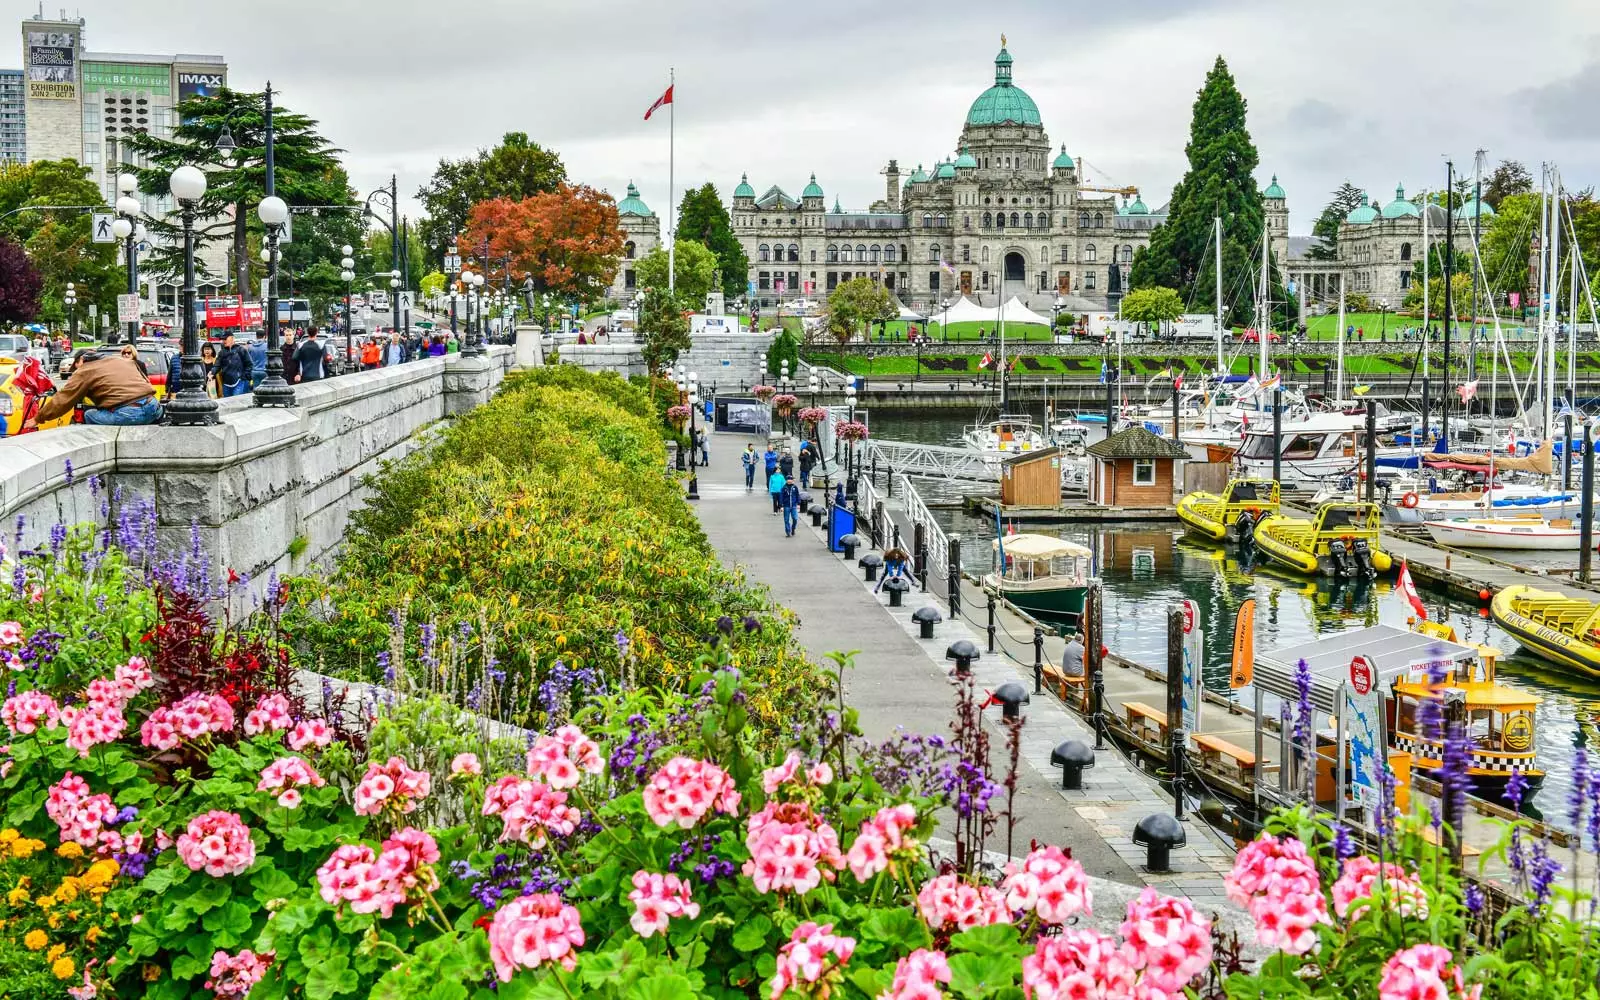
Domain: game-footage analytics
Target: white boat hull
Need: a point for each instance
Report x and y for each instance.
(1535, 537)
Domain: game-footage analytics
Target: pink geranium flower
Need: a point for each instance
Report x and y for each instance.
(918, 975)
(235, 975)
(285, 776)
(29, 711)
(946, 903)
(392, 785)
(270, 715)
(813, 954)
(657, 899)
(531, 810)
(686, 789)
(217, 843)
(562, 758)
(881, 840)
(1424, 972)
(1048, 883)
(791, 848)
(532, 930)
(81, 816)
(1166, 938)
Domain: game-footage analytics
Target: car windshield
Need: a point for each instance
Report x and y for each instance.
(155, 360)
(13, 342)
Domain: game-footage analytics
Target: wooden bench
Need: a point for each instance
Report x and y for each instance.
(1149, 724)
(1071, 690)
(1432, 837)
(1226, 757)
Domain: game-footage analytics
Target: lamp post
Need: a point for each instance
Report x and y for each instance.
(191, 406)
(466, 305)
(70, 300)
(850, 457)
(123, 228)
(474, 344)
(1383, 319)
(274, 390)
(694, 404)
(347, 274)
(783, 387)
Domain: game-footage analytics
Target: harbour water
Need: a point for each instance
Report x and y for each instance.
(1147, 568)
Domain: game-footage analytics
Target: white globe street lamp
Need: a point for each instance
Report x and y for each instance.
(191, 405)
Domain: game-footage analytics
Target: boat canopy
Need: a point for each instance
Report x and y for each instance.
(1392, 651)
(1490, 696)
(1538, 462)
(1026, 546)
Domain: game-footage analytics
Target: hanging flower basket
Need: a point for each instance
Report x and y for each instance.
(677, 414)
(852, 430)
(813, 415)
(784, 403)
(764, 392)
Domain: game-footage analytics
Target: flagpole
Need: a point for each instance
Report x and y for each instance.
(672, 234)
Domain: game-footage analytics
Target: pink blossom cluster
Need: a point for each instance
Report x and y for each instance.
(882, 838)
(657, 899)
(1078, 965)
(563, 757)
(80, 816)
(271, 715)
(947, 903)
(285, 777)
(1279, 884)
(812, 954)
(217, 843)
(92, 725)
(465, 764)
(310, 733)
(686, 789)
(1049, 884)
(376, 882)
(531, 810)
(1359, 880)
(10, 633)
(790, 772)
(917, 976)
(392, 785)
(191, 717)
(1166, 938)
(531, 930)
(234, 975)
(789, 848)
(29, 711)
(1424, 972)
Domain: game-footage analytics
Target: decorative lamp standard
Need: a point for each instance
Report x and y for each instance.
(191, 406)
(694, 404)
(347, 274)
(1383, 319)
(123, 228)
(850, 477)
(683, 397)
(274, 390)
(815, 385)
(70, 300)
(474, 344)
(783, 387)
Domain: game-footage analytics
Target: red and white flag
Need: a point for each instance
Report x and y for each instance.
(988, 359)
(1467, 391)
(1408, 590)
(665, 98)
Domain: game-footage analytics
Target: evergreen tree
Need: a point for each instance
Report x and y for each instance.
(1344, 201)
(704, 218)
(1220, 182)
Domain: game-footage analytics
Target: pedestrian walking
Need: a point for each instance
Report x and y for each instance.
(311, 356)
(291, 366)
(789, 499)
(257, 350)
(808, 459)
(233, 368)
(786, 464)
(208, 361)
(775, 484)
(370, 355)
(770, 459)
(705, 449)
(749, 459)
(896, 562)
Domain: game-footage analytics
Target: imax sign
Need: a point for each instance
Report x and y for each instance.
(200, 79)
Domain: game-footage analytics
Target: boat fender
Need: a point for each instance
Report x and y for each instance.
(1410, 501)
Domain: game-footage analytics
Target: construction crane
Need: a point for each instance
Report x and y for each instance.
(1126, 191)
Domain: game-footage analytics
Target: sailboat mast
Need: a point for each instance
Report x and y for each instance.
(1449, 302)
(1553, 290)
(1427, 254)
(1544, 248)
(1001, 370)
(1572, 317)
(1217, 223)
(1338, 384)
(1263, 325)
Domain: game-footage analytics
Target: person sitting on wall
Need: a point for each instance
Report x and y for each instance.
(119, 395)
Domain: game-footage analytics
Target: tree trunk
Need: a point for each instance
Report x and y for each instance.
(241, 253)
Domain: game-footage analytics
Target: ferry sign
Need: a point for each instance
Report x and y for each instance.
(1363, 725)
(1361, 674)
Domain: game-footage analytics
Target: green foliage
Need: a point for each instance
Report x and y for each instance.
(785, 347)
(1460, 290)
(517, 168)
(1508, 179)
(58, 243)
(413, 263)
(1326, 228)
(694, 271)
(664, 327)
(854, 304)
(703, 217)
(1155, 305)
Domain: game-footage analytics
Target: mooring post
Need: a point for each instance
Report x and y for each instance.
(1372, 448)
(1175, 736)
(919, 542)
(1277, 435)
(1586, 517)
(955, 576)
(1038, 660)
(1566, 453)
(1091, 644)
(992, 603)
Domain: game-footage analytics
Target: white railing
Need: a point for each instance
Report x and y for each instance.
(1075, 475)
(933, 461)
(937, 542)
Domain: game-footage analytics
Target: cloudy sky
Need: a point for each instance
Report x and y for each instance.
(1376, 91)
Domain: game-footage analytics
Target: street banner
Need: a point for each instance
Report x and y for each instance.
(1244, 645)
(128, 308)
(52, 65)
(1193, 666)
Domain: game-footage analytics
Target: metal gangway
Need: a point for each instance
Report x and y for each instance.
(930, 461)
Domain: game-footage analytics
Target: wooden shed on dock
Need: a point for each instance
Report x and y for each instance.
(1134, 468)
(1031, 479)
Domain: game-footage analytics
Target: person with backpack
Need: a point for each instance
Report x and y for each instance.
(749, 460)
(789, 499)
(257, 352)
(775, 484)
(311, 357)
(232, 368)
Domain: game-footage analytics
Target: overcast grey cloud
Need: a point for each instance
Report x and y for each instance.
(1367, 90)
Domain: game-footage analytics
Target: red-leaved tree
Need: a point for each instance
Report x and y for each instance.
(20, 284)
(568, 239)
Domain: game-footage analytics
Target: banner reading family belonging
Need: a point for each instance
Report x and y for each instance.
(52, 65)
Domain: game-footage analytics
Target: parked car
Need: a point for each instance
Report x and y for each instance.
(14, 346)
(1251, 336)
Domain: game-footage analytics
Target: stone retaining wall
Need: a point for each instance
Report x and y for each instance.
(258, 480)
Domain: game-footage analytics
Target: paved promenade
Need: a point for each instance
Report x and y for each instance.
(902, 682)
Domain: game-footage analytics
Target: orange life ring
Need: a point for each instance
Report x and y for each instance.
(1409, 501)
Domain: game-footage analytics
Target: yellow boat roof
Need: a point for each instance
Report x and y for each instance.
(1479, 695)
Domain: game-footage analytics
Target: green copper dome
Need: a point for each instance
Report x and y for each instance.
(945, 170)
(1273, 190)
(1003, 102)
(1137, 208)
(836, 209)
(1400, 208)
(1362, 213)
(744, 190)
(812, 190)
(631, 205)
(1063, 161)
(917, 176)
(1472, 207)
(966, 159)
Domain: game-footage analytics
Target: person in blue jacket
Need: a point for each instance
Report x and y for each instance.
(789, 498)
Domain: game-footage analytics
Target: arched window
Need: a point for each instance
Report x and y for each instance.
(877, 253)
(1127, 253)
(794, 253)
(988, 220)
(966, 221)
(1405, 251)
(986, 255)
(1083, 220)
(927, 219)
(765, 252)
(627, 249)
(1000, 220)
(833, 253)
(1099, 220)
(933, 253)
(1089, 254)
(1065, 256)
(940, 221)
(1015, 219)
(1027, 220)
(861, 253)
(888, 252)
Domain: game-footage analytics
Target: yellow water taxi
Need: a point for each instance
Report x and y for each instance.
(1242, 504)
(1341, 541)
(1564, 630)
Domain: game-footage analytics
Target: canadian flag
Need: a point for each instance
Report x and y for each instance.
(663, 99)
(988, 360)
(1409, 591)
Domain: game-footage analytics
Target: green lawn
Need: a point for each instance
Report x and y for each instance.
(1145, 366)
(1373, 325)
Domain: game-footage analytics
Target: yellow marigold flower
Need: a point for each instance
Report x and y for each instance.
(45, 902)
(70, 850)
(8, 835)
(55, 952)
(62, 968)
(93, 934)
(53, 920)
(35, 939)
(101, 872)
(18, 897)
(67, 891)
(26, 848)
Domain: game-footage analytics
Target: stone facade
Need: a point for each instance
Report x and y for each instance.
(641, 233)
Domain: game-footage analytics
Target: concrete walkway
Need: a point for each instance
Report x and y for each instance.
(901, 683)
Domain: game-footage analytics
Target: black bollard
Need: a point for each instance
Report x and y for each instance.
(992, 602)
(1175, 735)
(1158, 834)
(1091, 642)
(1011, 696)
(926, 618)
(1038, 659)
(919, 546)
(1586, 539)
(1566, 454)
(1072, 757)
(870, 564)
(963, 652)
(955, 576)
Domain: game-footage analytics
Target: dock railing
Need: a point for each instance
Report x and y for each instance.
(936, 542)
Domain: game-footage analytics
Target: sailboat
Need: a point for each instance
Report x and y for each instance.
(1010, 434)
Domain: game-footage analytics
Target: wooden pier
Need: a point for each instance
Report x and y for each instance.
(1068, 512)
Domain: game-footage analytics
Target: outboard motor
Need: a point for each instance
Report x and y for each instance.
(1245, 527)
(1344, 565)
(1363, 559)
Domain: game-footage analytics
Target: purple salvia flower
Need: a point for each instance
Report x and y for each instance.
(1579, 795)
(1594, 808)
(1516, 787)
(68, 470)
(1542, 872)
(1474, 898)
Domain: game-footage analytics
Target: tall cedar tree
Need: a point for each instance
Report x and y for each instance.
(568, 240)
(664, 326)
(518, 168)
(1220, 181)
(704, 218)
(1344, 201)
(307, 172)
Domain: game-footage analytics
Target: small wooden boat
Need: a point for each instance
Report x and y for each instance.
(1220, 453)
(1564, 630)
(1527, 534)
(1046, 577)
(1241, 505)
(1341, 541)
